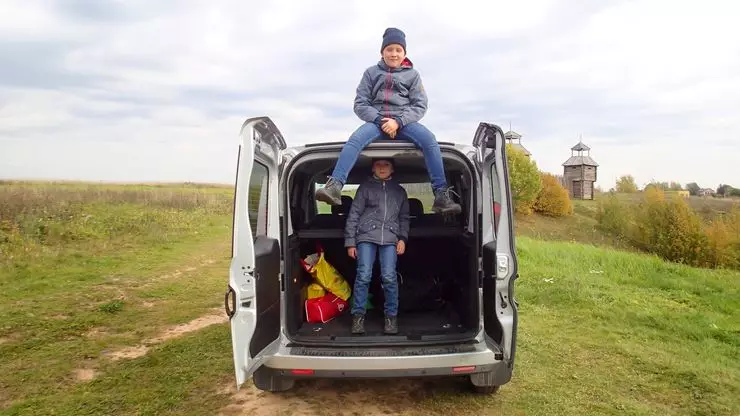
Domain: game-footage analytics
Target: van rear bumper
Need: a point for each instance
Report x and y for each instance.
(398, 362)
(403, 373)
(355, 363)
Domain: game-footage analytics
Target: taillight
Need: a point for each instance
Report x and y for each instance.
(300, 372)
(466, 369)
(496, 213)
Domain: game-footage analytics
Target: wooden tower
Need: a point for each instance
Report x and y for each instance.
(579, 172)
(515, 139)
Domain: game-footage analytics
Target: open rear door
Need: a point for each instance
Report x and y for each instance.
(498, 262)
(253, 296)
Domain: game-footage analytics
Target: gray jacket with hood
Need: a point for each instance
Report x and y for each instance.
(379, 214)
(394, 93)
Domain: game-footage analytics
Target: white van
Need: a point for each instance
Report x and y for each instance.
(458, 315)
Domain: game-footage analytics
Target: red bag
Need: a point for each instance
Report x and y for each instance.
(325, 308)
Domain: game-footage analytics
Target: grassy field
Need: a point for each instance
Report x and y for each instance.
(87, 270)
(98, 284)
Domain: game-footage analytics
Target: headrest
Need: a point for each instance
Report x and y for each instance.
(416, 208)
(344, 208)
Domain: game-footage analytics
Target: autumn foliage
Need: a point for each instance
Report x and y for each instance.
(524, 180)
(671, 229)
(553, 199)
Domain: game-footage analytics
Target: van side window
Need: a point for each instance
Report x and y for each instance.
(257, 205)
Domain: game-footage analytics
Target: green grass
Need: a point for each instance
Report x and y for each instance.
(600, 331)
(614, 332)
(108, 269)
(180, 377)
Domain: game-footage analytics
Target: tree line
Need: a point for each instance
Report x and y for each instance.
(627, 184)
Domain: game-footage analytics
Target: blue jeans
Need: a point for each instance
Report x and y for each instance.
(414, 132)
(365, 259)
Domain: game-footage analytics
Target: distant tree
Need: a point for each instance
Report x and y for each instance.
(675, 186)
(734, 192)
(524, 179)
(693, 188)
(663, 186)
(626, 184)
(724, 190)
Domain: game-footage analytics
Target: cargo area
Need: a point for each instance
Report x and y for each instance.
(438, 275)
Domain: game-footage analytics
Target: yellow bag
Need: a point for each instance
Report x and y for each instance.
(315, 291)
(326, 275)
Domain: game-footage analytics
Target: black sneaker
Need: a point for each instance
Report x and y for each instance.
(358, 324)
(331, 193)
(391, 325)
(443, 203)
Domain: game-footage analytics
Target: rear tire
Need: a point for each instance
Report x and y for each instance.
(479, 383)
(485, 389)
(267, 380)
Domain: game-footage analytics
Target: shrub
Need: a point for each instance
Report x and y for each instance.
(613, 216)
(524, 179)
(114, 306)
(553, 199)
(670, 229)
(723, 234)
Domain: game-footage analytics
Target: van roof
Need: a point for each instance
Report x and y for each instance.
(464, 148)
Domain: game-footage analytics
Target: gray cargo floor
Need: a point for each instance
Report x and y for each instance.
(409, 324)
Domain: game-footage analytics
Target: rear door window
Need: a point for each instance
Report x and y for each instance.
(419, 191)
(257, 205)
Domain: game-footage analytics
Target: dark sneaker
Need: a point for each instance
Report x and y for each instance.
(443, 203)
(358, 324)
(391, 325)
(331, 193)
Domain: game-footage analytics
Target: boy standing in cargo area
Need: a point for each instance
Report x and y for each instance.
(391, 100)
(377, 224)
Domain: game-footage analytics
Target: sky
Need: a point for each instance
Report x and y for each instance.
(157, 91)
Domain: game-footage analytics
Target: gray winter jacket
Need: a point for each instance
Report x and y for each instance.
(379, 214)
(393, 93)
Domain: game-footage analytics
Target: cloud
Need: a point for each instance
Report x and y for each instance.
(132, 91)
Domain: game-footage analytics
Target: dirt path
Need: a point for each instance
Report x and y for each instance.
(88, 370)
(217, 316)
(344, 397)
